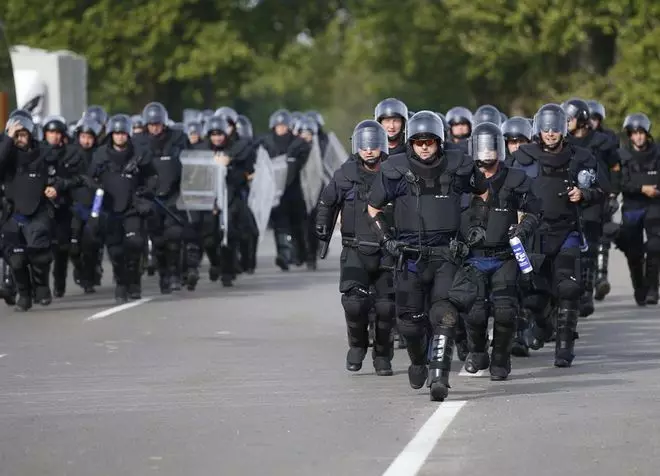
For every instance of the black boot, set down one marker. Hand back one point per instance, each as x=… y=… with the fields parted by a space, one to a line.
x=417 y=346
x=476 y=340
x=500 y=359
x=587 y=298
x=603 y=287
x=652 y=270
x=567 y=318
x=193 y=257
x=23 y=287
x=8 y=285
x=461 y=340
x=60 y=271
x=151 y=261
x=283 y=243
x=519 y=347
x=636 y=267
x=40 y=274
x=133 y=277
x=442 y=350
x=383 y=349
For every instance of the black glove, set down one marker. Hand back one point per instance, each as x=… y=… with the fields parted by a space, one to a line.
x=525 y=229
x=476 y=235
x=458 y=249
x=381 y=228
x=526 y=281
x=144 y=192
x=322 y=232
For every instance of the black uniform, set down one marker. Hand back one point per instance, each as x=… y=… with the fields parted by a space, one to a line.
x=641 y=214
x=426 y=198
x=560 y=238
x=595 y=215
x=126 y=179
x=362 y=266
x=166 y=233
x=289 y=217
x=26 y=233
x=488 y=223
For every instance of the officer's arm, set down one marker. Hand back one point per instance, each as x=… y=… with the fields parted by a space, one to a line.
x=6 y=149
x=326 y=210
x=299 y=149
x=383 y=191
x=529 y=212
x=469 y=179
x=615 y=172
x=627 y=185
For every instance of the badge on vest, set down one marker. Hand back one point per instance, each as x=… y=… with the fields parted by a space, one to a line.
x=165 y=157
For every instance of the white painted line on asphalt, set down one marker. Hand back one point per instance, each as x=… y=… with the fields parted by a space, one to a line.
x=413 y=456
x=3 y=355
x=116 y=309
x=480 y=373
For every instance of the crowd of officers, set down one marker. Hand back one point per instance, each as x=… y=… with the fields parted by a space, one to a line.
x=432 y=205
x=428 y=205
x=51 y=173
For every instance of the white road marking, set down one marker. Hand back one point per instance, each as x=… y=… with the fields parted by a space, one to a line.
x=3 y=355
x=116 y=309
x=413 y=456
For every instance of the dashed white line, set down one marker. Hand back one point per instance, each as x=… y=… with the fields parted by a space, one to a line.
x=3 y=355
x=116 y=309
x=413 y=456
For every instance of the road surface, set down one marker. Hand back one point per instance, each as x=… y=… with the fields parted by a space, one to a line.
x=251 y=380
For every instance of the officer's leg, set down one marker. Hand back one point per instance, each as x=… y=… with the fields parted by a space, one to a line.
x=156 y=228
x=298 y=221
x=18 y=262
x=39 y=252
x=133 y=242
x=535 y=305
x=652 y=260
x=280 y=221
x=8 y=289
x=312 y=240
x=566 y=273
x=75 y=249
x=602 y=286
x=249 y=238
x=592 y=232
x=62 y=238
x=385 y=312
x=356 y=301
x=413 y=320
x=444 y=316
x=505 y=307
x=90 y=245
x=173 y=238
x=192 y=254
x=476 y=326
x=631 y=242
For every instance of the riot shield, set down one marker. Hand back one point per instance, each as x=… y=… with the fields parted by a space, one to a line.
x=262 y=191
x=311 y=176
x=335 y=156
x=199 y=180
x=223 y=201
x=280 y=171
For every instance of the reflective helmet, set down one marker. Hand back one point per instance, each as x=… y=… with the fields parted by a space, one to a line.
x=316 y=117
x=487 y=113
x=517 y=128
x=87 y=125
x=459 y=115
x=244 y=128
x=97 y=113
x=577 y=109
x=637 y=122
x=155 y=113
x=596 y=109
x=486 y=144
x=120 y=123
x=425 y=124
x=391 y=107
x=54 y=123
x=550 y=118
x=369 y=135
x=283 y=117
x=227 y=113
x=217 y=124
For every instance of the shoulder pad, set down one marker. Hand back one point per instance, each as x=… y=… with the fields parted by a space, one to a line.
x=348 y=172
x=456 y=159
x=395 y=166
x=584 y=156
x=525 y=154
x=624 y=154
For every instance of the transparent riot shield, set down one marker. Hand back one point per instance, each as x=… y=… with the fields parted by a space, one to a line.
x=335 y=156
x=280 y=171
x=199 y=180
x=222 y=201
x=311 y=176
x=262 y=191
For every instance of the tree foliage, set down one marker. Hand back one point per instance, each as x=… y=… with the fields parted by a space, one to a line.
x=343 y=56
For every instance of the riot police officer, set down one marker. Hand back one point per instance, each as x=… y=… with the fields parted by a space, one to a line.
x=488 y=223
x=460 y=127
x=194 y=130
x=425 y=185
x=604 y=150
x=26 y=233
x=289 y=217
x=487 y=113
x=244 y=127
x=361 y=257
x=640 y=161
x=564 y=177
x=516 y=131
x=128 y=180
x=597 y=116
x=138 y=124
x=161 y=146
x=392 y=114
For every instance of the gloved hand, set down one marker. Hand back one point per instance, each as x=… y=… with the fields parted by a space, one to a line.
x=526 y=281
x=393 y=247
x=458 y=249
x=476 y=235
x=322 y=232
x=144 y=192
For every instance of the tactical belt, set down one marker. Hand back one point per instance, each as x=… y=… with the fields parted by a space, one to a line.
x=500 y=253
x=356 y=243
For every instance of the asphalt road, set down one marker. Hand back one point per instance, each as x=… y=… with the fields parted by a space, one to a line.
x=251 y=380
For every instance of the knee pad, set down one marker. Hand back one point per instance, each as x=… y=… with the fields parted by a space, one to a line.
x=209 y=242
x=443 y=314
x=568 y=289
x=505 y=314
x=40 y=257
x=116 y=253
x=385 y=310
x=134 y=242
x=74 y=249
x=356 y=304
x=17 y=259
x=478 y=315
x=173 y=233
x=413 y=326
x=157 y=242
x=534 y=302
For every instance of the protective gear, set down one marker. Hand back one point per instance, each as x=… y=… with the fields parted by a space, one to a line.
x=26 y=123
x=503 y=117
x=517 y=128
x=369 y=135
x=636 y=122
x=55 y=124
x=306 y=124
x=97 y=113
x=215 y=125
x=486 y=144
x=120 y=123
x=282 y=116
x=88 y=125
x=244 y=128
x=596 y=110
x=459 y=115
x=425 y=124
x=577 y=109
x=487 y=113
x=138 y=121
x=550 y=118
x=155 y=113
x=228 y=114
x=316 y=117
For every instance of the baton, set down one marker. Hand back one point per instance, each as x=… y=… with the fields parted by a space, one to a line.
x=177 y=219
